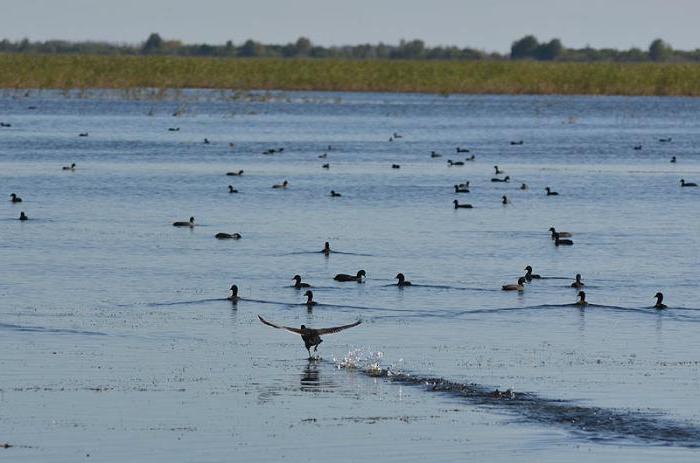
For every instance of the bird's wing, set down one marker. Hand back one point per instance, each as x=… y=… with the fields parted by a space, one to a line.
x=286 y=328
x=337 y=328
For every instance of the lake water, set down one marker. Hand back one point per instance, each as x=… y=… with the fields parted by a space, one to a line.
x=117 y=342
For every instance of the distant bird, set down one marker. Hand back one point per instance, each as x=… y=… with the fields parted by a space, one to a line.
x=464 y=185
x=310 y=299
x=531 y=276
x=326 y=248
x=282 y=185
x=402 y=280
x=665 y=140
x=298 y=284
x=184 y=224
x=231 y=189
x=231 y=145
x=335 y=194
x=461 y=189
x=15 y=199
x=235 y=174
x=470 y=158
x=550 y=192
x=345 y=277
x=228 y=236
x=326 y=166
x=461 y=206
x=206 y=141
x=519 y=142
x=234 y=294
x=684 y=183
x=498 y=171
x=578 y=284
x=659 y=301
x=311 y=337
x=519 y=286
x=673 y=159
x=5 y=124
x=396 y=135
x=23 y=216
x=581 y=299
x=505 y=200
x=330 y=148
x=523 y=186
x=637 y=147
x=462 y=150
x=561 y=242
x=71 y=167
x=433 y=154
x=83 y=134
x=173 y=129
x=323 y=156
x=451 y=163
x=395 y=166
x=555 y=233
x=503 y=180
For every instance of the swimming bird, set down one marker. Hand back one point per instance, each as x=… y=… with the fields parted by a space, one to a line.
x=519 y=286
x=578 y=284
x=470 y=158
x=519 y=142
x=561 y=234
x=298 y=284
x=395 y=166
x=346 y=277
x=310 y=299
x=396 y=135
x=326 y=248
x=459 y=189
x=561 y=242
x=673 y=159
x=206 y=141
x=335 y=194
x=402 y=280
x=503 y=180
x=184 y=224
x=505 y=200
x=228 y=236
x=282 y=185
x=23 y=216
x=433 y=154
x=15 y=199
x=462 y=150
x=659 y=301
x=461 y=206
x=684 y=183
x=464 y=185
x=326 y=166
x=637 y=147
x=550 y=192
x=234 y=294
x=236 y=174
x=451 y=163
x=523 y=186
x=71 y=167
x=665 y=140
x=323 y=156
x=231 y=189
x=173 y=129
x=498 y=171
x=531 y=276
x=311 y=337
x=582 y=299
x=83 y=134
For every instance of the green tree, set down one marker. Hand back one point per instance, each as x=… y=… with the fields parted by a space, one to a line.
x=303 y=46
x=153 y=44
x=549 y=51
x=659 y=50
x=524 y=48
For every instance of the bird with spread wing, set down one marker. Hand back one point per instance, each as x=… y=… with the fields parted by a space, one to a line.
x=311 y=336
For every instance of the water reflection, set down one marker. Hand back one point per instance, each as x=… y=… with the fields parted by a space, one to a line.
x=310 y=377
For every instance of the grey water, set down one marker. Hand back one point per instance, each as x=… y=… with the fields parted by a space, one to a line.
x=117 y=342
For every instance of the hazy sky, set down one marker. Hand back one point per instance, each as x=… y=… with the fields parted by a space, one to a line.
x=486 y=24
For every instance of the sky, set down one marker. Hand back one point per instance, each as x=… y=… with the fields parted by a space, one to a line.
x=490 y=25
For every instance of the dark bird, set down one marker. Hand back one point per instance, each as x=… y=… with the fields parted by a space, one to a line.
x=395 y=166
x=346 y=277
x=236 y=174
x=71 y=167
x=83 y=134
x=5 y=124
x=638 y=147
x=402 y=280
x=282 y=185
x=326 y=166
x=519 y=286
x=433 y=154
x=310 y=299
x=234 y=294
x=665 y=140
x=461 y=189
x=23 y=216
x=173 y=129
x=451 y=163
x=659 y=301
x=461 y=206
x=531 y=276
x=323 y=156
x=684 y=183
x=673 y=159
x=498 y=171
x=311 y=337
x=561 y=242
x=231 y=189
x=15 y=199
x=335 y=194
x=184 y=224
x=505 y=200
x=578 y=284
x=523 y=186
x=326 y=248
x=581 y=299
x=519 y=142
x=206 y=141
x=298 y=284
x=228 y=236
x=462 y=150
x=561 y=234
x=550 y=192
x=503 y=180
x=470 y=158
x=396 y=135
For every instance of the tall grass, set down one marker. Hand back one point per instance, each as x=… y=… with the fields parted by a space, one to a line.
x=518 y=77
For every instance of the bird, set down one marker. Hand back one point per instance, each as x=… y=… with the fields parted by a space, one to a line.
x=234 y=294
x=659 y=301
x=561 y=234
x=335 y=194
x=310 y=299
x=523 y=186
x=470 y=158
x=323 y=156
x=298 y=284
x=346 y=277
x=326 y=248
x=23 y=216
x=228 y=236
x=637 y=147
x=15 y=199
x=665 y=140
x=461 y=189
x=395 y=166
x=433 y=154
x=235 y=174
x=462 y=150
x=561 y=242
x=498 y=171
x=311 y=336
x=402 y=280
x=505 y=200
x=71 y=167
x=281 y=185
x=578 y=284
x=464 y=185
x=326 y=166
x=550 y=192
x=231 y=189
x=461 y=206
x=519 y=286
x=531 y=276
x=184 y=224
x=582 y=299
x=83 y=134
x=503 y=180
x=206 y=141
x=450 y=163
x=684 y=183
x=173 y=129
x=396 y=135
x=519 y=142
x=673 y=159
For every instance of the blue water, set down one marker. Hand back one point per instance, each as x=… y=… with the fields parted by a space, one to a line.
x=118 y=343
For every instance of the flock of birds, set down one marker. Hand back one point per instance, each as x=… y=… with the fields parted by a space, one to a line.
x=311 y=336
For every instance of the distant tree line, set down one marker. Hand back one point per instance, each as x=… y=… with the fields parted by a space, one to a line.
x=527 y=47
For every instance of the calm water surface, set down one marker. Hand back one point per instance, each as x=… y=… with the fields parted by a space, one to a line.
x=118 y=344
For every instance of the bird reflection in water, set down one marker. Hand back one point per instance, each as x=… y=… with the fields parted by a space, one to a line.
x=310 y=379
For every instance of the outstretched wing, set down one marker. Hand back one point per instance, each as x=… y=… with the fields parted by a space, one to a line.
x=337 y=328
x=286 y=328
